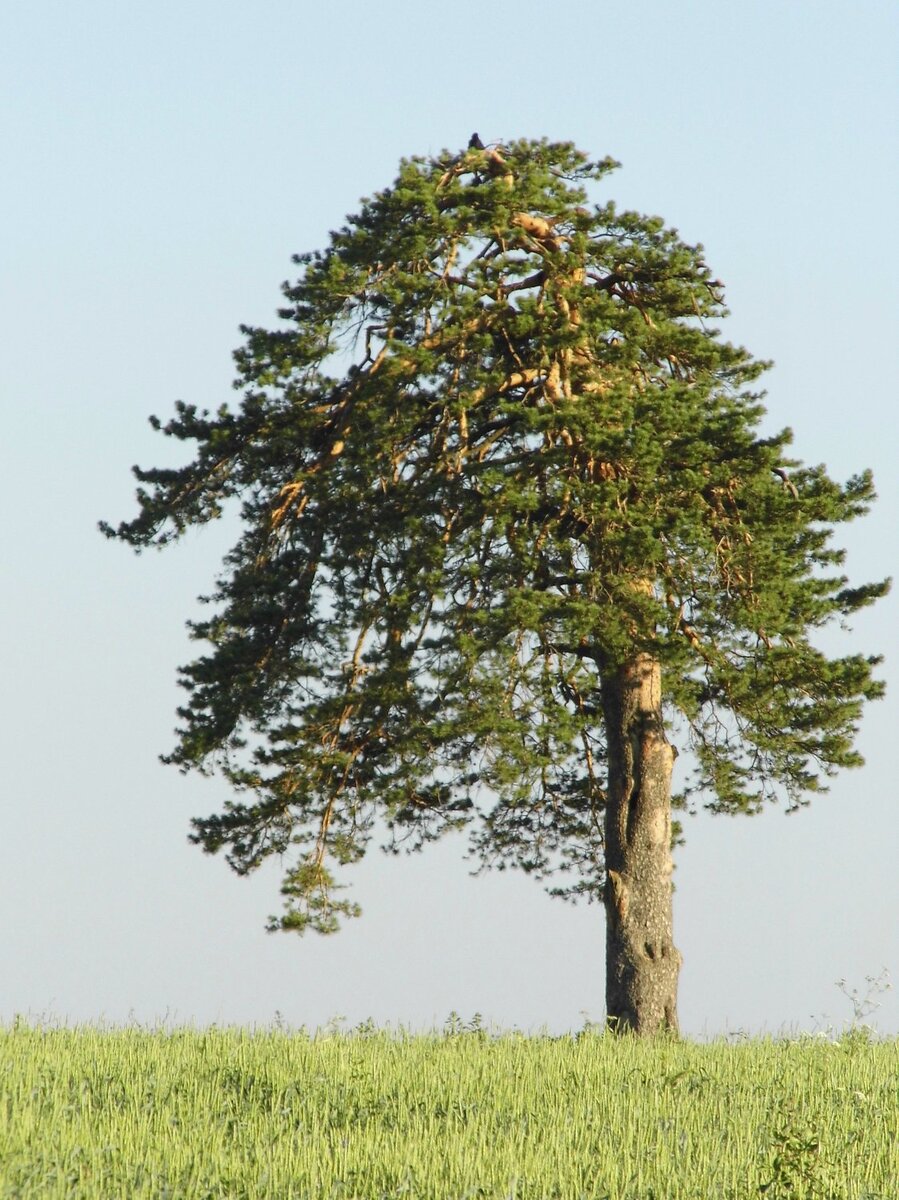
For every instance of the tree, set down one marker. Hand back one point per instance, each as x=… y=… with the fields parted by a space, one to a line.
x=509 y=531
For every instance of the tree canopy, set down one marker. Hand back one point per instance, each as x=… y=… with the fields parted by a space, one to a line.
x=496 y=449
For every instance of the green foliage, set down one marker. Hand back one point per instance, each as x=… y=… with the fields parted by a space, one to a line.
x=496 y=448
x=798 y=1167
x=222 y=1113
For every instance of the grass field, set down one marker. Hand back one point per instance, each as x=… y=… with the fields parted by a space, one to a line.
x=125 y=1113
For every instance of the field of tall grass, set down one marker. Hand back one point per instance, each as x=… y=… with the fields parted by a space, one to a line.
x=194 y=1113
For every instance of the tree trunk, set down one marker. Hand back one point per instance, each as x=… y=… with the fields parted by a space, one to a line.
x=642 y=963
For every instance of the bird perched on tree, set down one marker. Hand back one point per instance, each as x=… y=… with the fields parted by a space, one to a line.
x=475 y=143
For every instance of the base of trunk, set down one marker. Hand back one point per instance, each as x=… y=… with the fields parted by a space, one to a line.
x=641 y=971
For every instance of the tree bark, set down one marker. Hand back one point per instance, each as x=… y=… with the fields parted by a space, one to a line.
x=642 y=964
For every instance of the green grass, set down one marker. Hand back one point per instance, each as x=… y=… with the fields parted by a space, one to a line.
x=126 y=1113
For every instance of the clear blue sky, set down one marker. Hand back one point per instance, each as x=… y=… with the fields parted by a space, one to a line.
x=161 y=162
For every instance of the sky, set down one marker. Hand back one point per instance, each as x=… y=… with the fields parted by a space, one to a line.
x=162 y=162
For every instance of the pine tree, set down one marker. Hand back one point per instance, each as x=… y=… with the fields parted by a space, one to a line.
x=509 y=532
